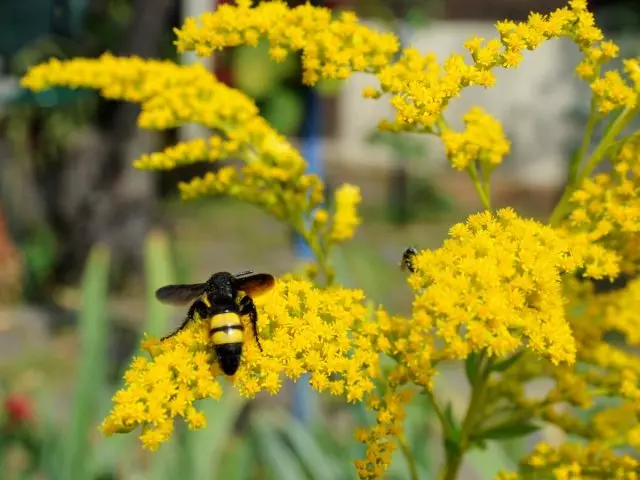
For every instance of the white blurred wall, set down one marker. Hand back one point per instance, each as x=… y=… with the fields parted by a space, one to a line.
x=534 y=102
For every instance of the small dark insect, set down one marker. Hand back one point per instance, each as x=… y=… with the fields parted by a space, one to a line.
x=221 y=301
x=408 y=258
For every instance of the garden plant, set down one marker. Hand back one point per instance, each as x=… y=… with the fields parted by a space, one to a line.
x=509 y=297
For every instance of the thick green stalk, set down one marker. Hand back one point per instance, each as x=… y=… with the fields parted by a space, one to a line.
x=472 y=416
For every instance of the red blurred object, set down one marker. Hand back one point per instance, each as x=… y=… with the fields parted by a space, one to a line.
x=18 y=408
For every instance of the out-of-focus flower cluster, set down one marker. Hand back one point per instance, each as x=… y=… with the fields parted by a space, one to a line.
x=607 y=206
x=271 y=173
x=420 y=88
x=331 y=49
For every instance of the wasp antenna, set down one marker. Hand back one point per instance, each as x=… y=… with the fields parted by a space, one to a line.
x=243 y=273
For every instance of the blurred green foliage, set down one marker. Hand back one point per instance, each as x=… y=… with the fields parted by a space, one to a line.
x=271 y=84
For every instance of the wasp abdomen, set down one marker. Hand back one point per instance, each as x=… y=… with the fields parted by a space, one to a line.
x=227 y=336
x=229 y=355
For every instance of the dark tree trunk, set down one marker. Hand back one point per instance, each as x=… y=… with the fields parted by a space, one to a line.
x=96 y=195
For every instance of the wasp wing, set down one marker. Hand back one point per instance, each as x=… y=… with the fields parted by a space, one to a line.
x=255 y=284
x=180 y=294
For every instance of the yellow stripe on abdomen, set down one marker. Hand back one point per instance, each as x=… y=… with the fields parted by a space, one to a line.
x=230 y=335
x=227 y=319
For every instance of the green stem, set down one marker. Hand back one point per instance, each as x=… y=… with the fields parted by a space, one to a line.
x=478 y=185
x=586 y=141
x=481 y=185
x=411 y=462
x=321 y=254
x=474 y=413
x=596 y=157
x=438 y=409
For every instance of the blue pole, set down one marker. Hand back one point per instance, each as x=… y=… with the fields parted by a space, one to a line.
x=312 y=151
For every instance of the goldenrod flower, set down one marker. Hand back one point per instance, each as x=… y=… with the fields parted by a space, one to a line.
x=500 y=284
x=346 y=219
x=302 y=329
x=380 y=439
x=607 y=206
x=272 y=173
x=331 y=49
x=572 y=460
x=496 y=284
x=483 y=140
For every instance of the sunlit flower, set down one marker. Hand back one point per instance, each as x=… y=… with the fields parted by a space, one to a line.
x=495 y=284
x=302 y=329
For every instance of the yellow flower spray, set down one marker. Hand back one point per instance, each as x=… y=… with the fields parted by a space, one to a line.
x=505 y=295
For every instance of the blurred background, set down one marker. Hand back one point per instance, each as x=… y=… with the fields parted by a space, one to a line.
x=71 y=313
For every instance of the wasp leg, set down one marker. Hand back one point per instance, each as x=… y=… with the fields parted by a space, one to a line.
x=198 y=307
x=247 y=307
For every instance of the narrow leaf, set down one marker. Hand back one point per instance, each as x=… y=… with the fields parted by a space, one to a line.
x=238 y=460
x=508 y=363
x=91 y=381
x=280 y=461
x=471 y=367
x=159 y=271
x=319 y=465
x=206 y=447
x=452 y=424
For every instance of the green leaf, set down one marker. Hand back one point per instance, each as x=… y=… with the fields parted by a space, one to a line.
x=454 y=432
x=238 y=460
x=506 y=364
x=280 y=461
x=205 y=448
x=159 y=271
x=471 y=365
x=91 y=378
x=329 y=87
x=506 y=431
x=451 y=423
x=319 y=465
x=253 y=71
x=256 y=73
x=284 y=109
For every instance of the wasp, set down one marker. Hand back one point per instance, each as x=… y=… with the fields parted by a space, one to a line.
x=222 y=301
x=408 y=258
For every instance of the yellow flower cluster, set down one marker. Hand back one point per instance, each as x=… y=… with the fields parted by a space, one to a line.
x=423 y=89
x=302 y=329
x=612 y=92
x=607 y=206
x=272 y=173
x=495 y=284
x=331 y=49
x=500 y=286
x=606 y=370
x=483 y=140
x=345 y=220
x=573 y=461
x=390 y=414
